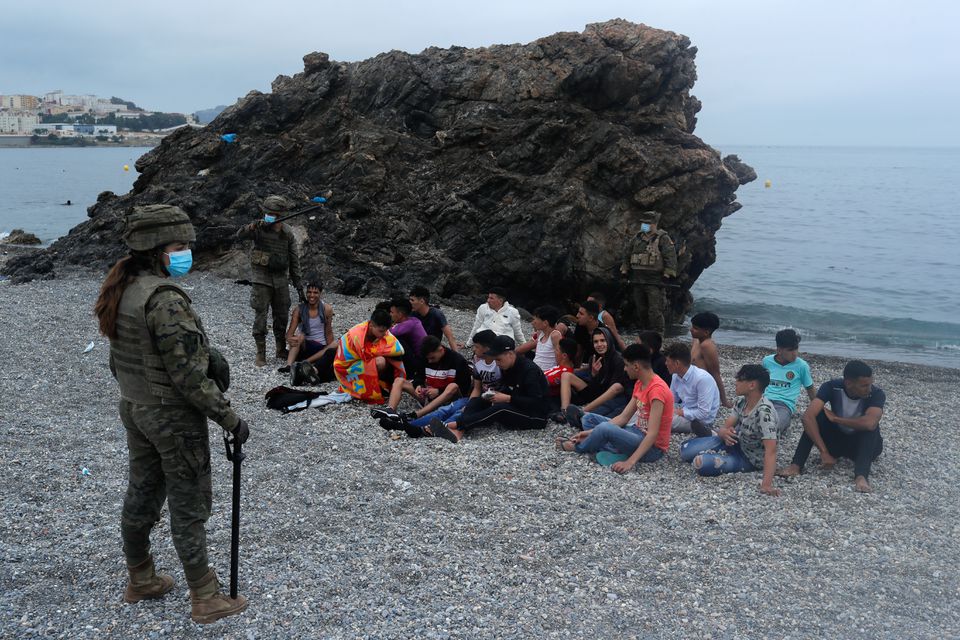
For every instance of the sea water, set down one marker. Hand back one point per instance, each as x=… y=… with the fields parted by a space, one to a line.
x=35 y=183
x=854 y=247
x=857 y=248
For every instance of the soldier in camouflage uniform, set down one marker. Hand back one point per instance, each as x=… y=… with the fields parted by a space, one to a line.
x=650 y=257
x=273 y=260
x=163 y=362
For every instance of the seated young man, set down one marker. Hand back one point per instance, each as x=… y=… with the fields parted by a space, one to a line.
x=587 y=324
x=748 y=439
x=368 y=358
x=850 y=428
x=485 y=376
x=409 y=331
x=520 y=401
x=599 y=387
x=499 y=316
x=546 y=337
x=703 y=350
x=432 y=318
x=310 y=334
x=606 y=319
x=695 y=394
x=654 y=341
x=445 y=377
x=789 y=373
x=642 y=430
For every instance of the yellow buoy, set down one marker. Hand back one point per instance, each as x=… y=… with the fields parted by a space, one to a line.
x=126 y=167
x=766 y=184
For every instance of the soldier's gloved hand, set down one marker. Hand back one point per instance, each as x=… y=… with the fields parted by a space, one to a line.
x=301 y=295
x=241 y=432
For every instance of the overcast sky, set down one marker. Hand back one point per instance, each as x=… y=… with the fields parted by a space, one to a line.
x=777 y=73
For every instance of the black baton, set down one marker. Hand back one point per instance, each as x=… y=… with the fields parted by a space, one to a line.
x=236 y=456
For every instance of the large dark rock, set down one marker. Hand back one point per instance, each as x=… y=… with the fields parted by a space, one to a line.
x=516 y=165
x=19 y=236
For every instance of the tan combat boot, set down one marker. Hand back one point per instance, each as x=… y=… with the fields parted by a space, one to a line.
x=144 y=583
x=261 y=351
x=209 y=604
x=282 y=352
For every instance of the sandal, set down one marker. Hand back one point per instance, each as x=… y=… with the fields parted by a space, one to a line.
x=440 y=430
x=564 y=444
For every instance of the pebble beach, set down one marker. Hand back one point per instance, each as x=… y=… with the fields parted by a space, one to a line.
x=349 y=533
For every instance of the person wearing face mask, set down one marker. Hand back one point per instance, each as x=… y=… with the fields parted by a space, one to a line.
x=649 y=259
x=171 y=382
x=273 y=261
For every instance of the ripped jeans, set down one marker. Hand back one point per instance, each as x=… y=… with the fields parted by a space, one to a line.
x=715 y=456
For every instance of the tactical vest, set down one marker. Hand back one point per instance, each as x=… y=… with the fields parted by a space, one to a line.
x=270 y=251
x=140 y=371
x=649 y=258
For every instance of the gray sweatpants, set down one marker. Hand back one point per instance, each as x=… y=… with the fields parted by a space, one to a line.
x=783 y=417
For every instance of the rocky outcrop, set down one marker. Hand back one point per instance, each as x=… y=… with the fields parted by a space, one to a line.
x=519 y=166
x=19 y=236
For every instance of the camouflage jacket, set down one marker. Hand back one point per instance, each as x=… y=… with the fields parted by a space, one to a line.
x=179 y=350
x=274 y=257
x=648 y=259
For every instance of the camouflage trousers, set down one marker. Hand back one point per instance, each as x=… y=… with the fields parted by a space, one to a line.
x=169 y=453
x=278 y=298
x=648 y=302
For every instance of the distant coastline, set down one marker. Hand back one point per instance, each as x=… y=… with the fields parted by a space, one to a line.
x=27 y=142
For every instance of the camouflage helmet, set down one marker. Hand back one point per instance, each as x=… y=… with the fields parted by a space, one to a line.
x=156 y=225
x=276 y=204
x=651 y=217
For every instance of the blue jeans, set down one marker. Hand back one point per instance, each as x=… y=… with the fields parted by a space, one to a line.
x=591 y=420
x=715 y=456
x=446 y=413
x=607 y=436
x=612 y=408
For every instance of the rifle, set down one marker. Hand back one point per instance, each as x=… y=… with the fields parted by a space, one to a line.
x=318 y=202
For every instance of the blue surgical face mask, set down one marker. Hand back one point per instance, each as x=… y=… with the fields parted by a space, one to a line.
x=644 y=227
x=269 y=218
x=180 y=263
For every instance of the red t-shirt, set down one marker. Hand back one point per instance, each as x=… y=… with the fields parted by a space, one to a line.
x=657 y=389
x=553 y=378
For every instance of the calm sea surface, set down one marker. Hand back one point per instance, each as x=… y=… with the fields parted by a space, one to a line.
x=857 y=248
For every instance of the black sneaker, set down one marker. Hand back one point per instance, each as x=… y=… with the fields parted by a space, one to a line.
x=558 y=417
x=385 y=413
x=390 y=425
x=699 y=430
x=574 y=415
x=412 y=431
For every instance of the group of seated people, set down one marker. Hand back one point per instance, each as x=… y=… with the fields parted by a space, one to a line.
x=624 y=400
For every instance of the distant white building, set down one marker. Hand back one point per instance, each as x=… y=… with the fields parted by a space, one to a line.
x=67 y=129
x=18 y=122
x=105 y=106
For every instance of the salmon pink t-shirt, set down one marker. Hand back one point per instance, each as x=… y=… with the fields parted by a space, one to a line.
x=656 y=389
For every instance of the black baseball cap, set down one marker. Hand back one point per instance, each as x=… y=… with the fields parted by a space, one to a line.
x=501 y=345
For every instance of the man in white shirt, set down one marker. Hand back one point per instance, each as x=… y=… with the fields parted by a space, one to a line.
x=695 y=393
x=499 y=316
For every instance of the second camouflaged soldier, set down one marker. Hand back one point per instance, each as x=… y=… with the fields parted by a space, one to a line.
x=274 y=261
x=650 y=257
x=171 y=381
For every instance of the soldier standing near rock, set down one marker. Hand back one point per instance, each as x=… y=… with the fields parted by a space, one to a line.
x=273 y=260
x=650 y=257
x=171 y=382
